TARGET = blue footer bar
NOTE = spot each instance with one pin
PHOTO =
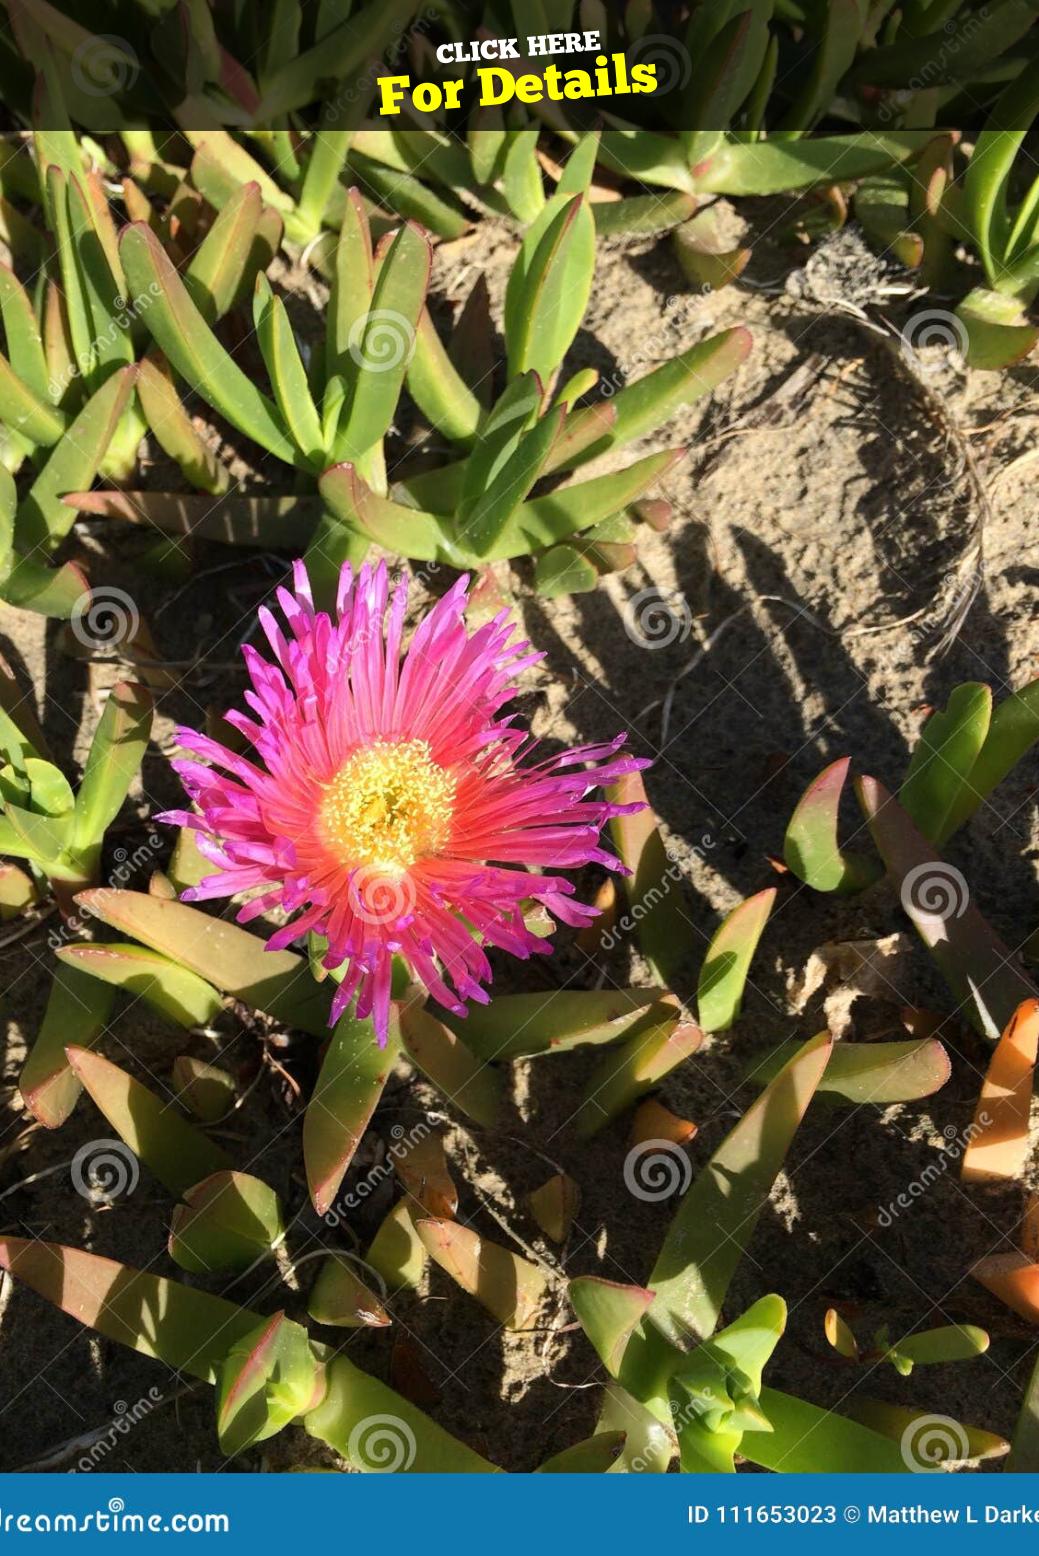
(532, 1514)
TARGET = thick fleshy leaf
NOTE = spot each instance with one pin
(175, 431)
(226, 1222)
(49, 591)
(287, 374)
(641, 407)
(943, 758)
(1024, 1453)
(377, 1430)
(113, 762)
(175, 1151)
(654, 886)
(933, 1347)
(381, 348)
(628, 1072)
(396, 1252)
(78, 1008)
(220, 264)
(269, 1377)
(467, 1082)
(269, 523)
(438, 388)
(351, 1080)
(880, 1073)
(508, 1286)
(777, 167)
(406, 531)
(717, 1216)
(997, 1148)
(564, 570)
(811, 848)
(502, 467)
(1012, 732)
(518, 1026)
(594, 1456)
(609, 1314)
(645, 215)
(925, 1441)
(17, 892)
(554, 1206)
(194, 351)
(978, 968)
(43, 518)
(549, 289)
(543, 521)
(24, 412)
(807, 1440)
(204, 1089)
(1014, 1279)
(176, 991)
(22, 334)
(230, 958)
(422, 1168)
(189, 1330)
(723, 975)
(340, 1298)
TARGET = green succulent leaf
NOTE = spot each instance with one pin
(632, 1069)
(880, 1073)
(943, 759)
(175, 1151)
(717, 1216)
(177, 992)
(226, 1222)
(723, 975)
(353, 1074)
(269, 1377)
(77, 1012)
(811, 847)
(187, 1329)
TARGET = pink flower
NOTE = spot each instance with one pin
(385, 807)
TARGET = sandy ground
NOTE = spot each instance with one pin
(798, 530)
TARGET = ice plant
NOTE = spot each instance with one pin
(387, 807)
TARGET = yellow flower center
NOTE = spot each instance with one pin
(389, 805)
